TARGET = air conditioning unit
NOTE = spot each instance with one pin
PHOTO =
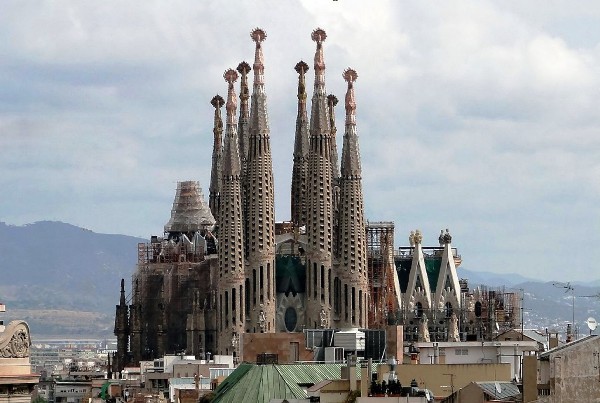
(334, 355)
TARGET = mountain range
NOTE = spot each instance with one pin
(64, 281)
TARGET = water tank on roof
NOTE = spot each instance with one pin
(350, 340)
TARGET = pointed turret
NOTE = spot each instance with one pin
(319, 220)
(121, 329)
(352, 269)
(190, 212)
(417, 298)
(230, 319)
(260, 218)
(447, 292)
(331, 103)
(217, 157)
(244, 122)
(301, 146)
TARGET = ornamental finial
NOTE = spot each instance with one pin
(243, 68)
(231, 77)
(332, 99)
(217, 101)
(350, 76)
(318, 35)
(301, 68)
(258, 36)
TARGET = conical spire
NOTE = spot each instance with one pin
(319, 117)
(350, 153)
(331, 103)
(351, 232)
(217, 157)
(244, 122)
(301, 146)
(231, 158)
(230, 313)
(319, 212)
(190, 212)
(122, 299)
(260, 211)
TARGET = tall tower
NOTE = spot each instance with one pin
(260, 218)
(230, 312)
(301, 145)
(121, 329)
(217, 157)
(319, 218)
(352, 269)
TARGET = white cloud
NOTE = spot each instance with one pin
(477, 116)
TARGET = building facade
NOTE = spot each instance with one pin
(225, 267)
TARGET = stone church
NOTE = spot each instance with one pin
(226, 268)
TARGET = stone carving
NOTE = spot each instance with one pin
(262, 319)
(323, 318)
(15, 341)
(445, 238)
(418, 237)
(424, 331)
(453, 328)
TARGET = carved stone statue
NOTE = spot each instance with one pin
(453, 328)
(411, 238)
(323, 318)
(424, 330)
(447, 237)
(418, 237)
(262, 320)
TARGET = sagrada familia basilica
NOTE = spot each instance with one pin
(226, 268)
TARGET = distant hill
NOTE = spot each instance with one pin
(491, 279)
(52, 270)
(64, 281)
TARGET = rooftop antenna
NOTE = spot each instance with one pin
(568, 287)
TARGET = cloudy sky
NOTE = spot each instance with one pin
(477, 116)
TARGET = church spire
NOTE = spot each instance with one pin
(244, 122)
(301, 144)
(351, 234)
(231, 159)
(230, 314)
(260, 213)
(350, 154)
(319, 220)
(331, 103)
(217, 158)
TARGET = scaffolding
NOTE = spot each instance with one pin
(380, 247)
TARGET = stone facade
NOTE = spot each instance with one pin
(16, 379)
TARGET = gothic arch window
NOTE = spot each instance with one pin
(418, 310)
(448, 309)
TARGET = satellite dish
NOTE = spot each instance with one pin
(591, 323)
(498, 387)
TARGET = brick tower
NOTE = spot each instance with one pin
(230, 312)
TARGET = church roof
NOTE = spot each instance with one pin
(261, 383)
